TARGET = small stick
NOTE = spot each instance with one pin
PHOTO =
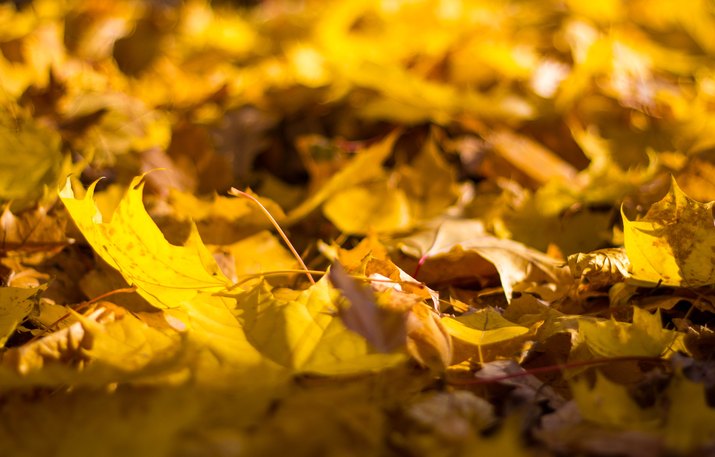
(125, 290)
(250, 276)
(560, 367)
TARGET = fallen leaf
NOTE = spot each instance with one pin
(31, 162)
(385, 328)
(412, 194)
(483, 335)
(15, 305)
(93, 353)
(600, 268)
(124, 124)
(366, 166)
(514, 261)
(609, 404)
(645, 337)
(256, 254)
(373, 207)
(182, 280)
(689, 424)
(32, 230)
(672, 244)
(302, 331)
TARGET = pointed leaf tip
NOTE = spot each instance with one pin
(673, 243)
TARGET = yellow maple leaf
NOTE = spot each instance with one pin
(673, 243)
(484, 335)
(302, 331)
(607, 403)
(130, 241)
(182, 280)
(477, 329)
(644, 337)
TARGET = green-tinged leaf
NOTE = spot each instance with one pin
(15, 305)
(673, 243)
(31, 160)
(644, 337)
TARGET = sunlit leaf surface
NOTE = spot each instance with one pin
(357, 227)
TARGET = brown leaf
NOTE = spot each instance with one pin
(384, 328)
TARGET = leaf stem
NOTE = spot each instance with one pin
(85, 304)
(250, 276)
(420, 262)
(270, 217)
(125, 290)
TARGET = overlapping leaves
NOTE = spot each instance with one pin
(442, 164)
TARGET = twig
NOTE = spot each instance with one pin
(559, 367)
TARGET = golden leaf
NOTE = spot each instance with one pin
(673, 244)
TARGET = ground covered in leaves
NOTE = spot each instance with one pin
(496, 240)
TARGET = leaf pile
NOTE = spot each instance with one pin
(498, 208)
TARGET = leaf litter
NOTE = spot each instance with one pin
(362, 228)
